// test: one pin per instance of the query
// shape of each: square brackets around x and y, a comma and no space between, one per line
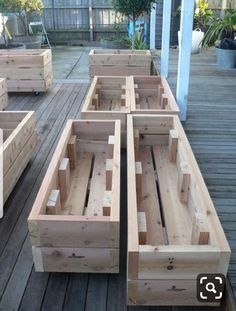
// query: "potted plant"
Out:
[202,20]
[133,10]
[222,32]
[23,10]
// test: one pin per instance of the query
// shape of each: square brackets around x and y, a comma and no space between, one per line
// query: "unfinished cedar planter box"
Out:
[20,139]
[74,222]
[108,99]
[152,95]
[120,62]
[3,94]
[174,233]
[26,70]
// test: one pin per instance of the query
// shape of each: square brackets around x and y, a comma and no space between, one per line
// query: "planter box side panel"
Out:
[77,260]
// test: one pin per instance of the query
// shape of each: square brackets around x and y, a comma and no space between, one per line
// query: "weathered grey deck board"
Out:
[211,130]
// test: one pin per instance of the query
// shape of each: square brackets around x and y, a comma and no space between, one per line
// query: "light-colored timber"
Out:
[152,95]
[3,94]
[26,70]
[108,99]
[120,63]
[180,235]
[74,222]
[19,141]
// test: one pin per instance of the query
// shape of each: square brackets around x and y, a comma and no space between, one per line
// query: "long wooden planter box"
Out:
[74,222]
[120,62]
[20,139]
[3,94]
[152,95]
[108,99]
[174,233]
[26,70]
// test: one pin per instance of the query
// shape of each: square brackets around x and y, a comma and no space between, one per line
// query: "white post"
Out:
[186,28]
[165,44]
[153,27]
[91,19]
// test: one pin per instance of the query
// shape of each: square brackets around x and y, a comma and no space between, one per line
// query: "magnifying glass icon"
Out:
[210,287]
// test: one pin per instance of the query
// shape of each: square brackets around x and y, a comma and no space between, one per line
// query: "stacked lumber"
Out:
[74,223]
[26,70]
[3,94]
[19,141]
[108,99]
[120,62]
[174,232]
[152,95]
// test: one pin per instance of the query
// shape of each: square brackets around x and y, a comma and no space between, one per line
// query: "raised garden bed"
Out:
[26,70]
[20,139]
[74,222]
[174,233]
[152,95]
[108,99]
[120,63]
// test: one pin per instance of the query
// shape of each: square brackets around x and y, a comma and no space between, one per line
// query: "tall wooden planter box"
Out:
[108,99]
[20,139]
[120,63]
[26,70]
[152,95]
[3,94]
[174,233]
[74,222]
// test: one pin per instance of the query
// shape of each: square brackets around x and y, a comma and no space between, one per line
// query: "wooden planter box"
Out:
[120,63]
[20,139]
[26,70]
[174,233]
[152,95]
[74,222]
[3,94]
[108,99]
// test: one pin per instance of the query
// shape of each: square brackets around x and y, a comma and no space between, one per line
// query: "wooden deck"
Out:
[211,129]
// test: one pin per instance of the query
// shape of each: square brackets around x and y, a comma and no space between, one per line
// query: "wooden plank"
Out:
[138,172]
[76,200]
[173,145]
[142,228]
[200,233]
[97,187]
[184,182]
[177,217]
[64,178]
[109,173]
[80,260]
[150,201]
[72,153]
[54,203]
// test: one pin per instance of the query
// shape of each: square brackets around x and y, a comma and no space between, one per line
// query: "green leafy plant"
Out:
[133,9]
[203,14]
[139,42]
[23,9]
[221,28]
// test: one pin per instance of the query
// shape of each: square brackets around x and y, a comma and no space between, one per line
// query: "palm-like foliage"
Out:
[220,28]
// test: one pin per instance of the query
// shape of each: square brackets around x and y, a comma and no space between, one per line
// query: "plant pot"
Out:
[226,59]
[197,37]
[30,42]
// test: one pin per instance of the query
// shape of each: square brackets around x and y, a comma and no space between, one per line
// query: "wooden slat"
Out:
[97,187]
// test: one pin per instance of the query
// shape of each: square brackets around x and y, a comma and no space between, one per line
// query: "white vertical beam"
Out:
[165,45]
[186,28]
[91,19]
[153,27]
